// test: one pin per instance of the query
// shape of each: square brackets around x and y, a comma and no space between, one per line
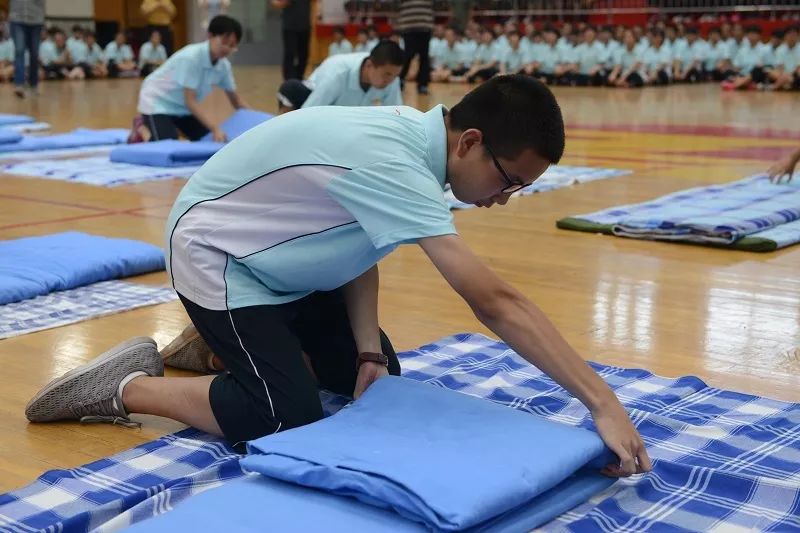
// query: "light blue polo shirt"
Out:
[655,58]
[716,53]
[95,54]
[697,51]
[747,58]
[7,50]
[514,60]
[448,57]
[118,54]
[626,59]
[549,58]
[78,50]
[767,53]
[436,46]
[733,46]
[188,68]
[568,55]
[787,57]
[307,201]
[590,55]
[152,54]
[485,54]
[467,49]
[337,81]
[48,52]
[344,47]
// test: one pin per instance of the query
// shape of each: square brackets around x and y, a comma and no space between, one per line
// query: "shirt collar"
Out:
[433,121]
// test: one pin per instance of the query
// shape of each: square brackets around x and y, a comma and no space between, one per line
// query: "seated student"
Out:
[374,39]
[95,58]
[54,56]
[340,45]
[528,40]
[515,58]
[351,80]
[152,54]
[397,38]
[547,65]
[643,40]
[362,40]
[6,57]
[749,63]
[169,100]
[274,247]
[717,58]
[565,35]
[568,61]
[657,61]
[468,45]
[785,73]
[690,58]
[592,59]
[76,44]
[449,62]
[119,57]
[485,64]
[628,70]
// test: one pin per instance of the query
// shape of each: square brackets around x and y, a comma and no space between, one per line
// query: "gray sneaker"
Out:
[90,393]
[190,352]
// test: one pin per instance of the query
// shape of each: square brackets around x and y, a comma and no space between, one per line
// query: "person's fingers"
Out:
[627,463]
[644,460]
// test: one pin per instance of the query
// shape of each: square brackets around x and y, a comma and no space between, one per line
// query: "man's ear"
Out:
[467,140]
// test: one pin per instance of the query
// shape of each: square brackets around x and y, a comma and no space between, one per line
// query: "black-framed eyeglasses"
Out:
[511,185]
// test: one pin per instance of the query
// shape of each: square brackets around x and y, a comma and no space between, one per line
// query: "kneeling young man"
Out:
[273,247]
[358,79]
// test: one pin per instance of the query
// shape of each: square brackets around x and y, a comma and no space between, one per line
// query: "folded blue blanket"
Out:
[35,266]
[169,153]
[75,139]
[448,460]
[9,120]
[9,136]
[241,121]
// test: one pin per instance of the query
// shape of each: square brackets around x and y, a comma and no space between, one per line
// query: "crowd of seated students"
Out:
[81,57]
[736,56]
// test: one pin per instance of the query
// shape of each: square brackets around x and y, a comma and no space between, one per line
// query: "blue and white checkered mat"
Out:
[723,461]
[76,305]
[555,177]
[97,170]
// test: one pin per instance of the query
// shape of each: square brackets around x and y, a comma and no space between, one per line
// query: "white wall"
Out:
[70,8]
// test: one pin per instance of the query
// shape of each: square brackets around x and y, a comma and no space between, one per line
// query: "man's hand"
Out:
[368,374]
[617,431]
[784,168]
[218,135]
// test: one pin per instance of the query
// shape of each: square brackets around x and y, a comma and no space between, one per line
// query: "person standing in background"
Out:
[159,15]
[296,32]
[27,19]
[415,22]
[212,8]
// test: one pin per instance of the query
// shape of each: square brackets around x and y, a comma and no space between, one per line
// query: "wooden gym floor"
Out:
[732,318]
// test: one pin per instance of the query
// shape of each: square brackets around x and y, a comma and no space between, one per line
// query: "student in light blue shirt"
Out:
[119,57]
[449,62]
[690,58]
[486,61]
[373,37]
[657,60]
[437,42]
[152,54]
[95,59]
[362,41]
[717,63]
[6,58]
[76,45]
[568,61]
[340,45]
[749,63]
[591,58]
[628,70]
[54,56]
[170,96]
[564,40]
[546,66]
[610,44]
[785,74]
[358,79]
[274,247]
[515,57]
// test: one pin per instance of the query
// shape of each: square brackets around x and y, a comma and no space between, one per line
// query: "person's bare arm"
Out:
[236,100]
[190,97]
[528,331]
[361,300]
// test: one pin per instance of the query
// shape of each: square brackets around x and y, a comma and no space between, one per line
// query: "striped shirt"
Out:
[26,11]
[415,15]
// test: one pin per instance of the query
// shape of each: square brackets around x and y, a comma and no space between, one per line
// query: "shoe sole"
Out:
[117,350]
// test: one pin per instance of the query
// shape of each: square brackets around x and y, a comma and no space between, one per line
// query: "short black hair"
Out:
[77,28]
[514,112]
[362,31]
[714,29]
[223,25]
[387,52]
[692,31]
[754,29]
[338,29]
[513,32]
[778,33]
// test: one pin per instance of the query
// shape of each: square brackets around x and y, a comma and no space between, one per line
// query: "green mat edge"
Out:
[747,244]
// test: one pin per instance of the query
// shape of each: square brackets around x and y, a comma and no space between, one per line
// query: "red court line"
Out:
[51,202]
[644,160]
[756,153]
[689,129]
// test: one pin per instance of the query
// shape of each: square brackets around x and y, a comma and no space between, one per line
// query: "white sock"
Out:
[127,379]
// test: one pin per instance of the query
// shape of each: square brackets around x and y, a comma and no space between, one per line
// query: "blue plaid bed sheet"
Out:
[99,171]
[555,177]
[720,214]
[723,461]
[76,305]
